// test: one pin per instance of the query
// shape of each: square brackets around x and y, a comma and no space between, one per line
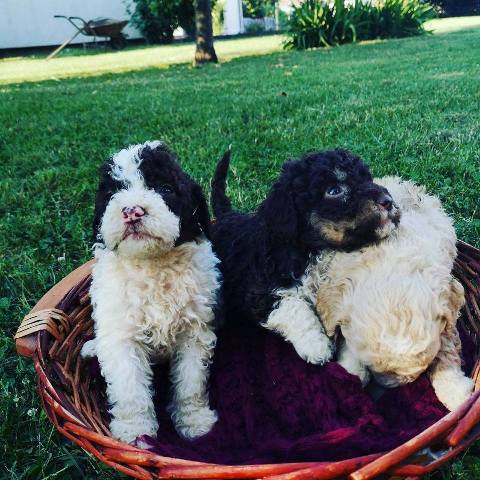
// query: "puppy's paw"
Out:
[195,422]
[89,349]
[128,430]
[452,387]
[354,367]
[314,347]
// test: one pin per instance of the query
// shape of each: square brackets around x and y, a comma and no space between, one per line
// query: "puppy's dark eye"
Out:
[334,191]
[165,188]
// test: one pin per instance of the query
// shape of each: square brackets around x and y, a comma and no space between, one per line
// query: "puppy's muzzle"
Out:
[385,204]
[385,201]
[133,214]
[388,205]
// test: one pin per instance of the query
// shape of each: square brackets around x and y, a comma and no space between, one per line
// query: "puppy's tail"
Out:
[220,202]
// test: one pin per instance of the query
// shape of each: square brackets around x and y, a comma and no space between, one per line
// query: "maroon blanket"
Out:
[274,407]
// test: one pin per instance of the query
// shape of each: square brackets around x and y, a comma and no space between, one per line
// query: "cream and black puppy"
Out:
[397,303]
[154,290]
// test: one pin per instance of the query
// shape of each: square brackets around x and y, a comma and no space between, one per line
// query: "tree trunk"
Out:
[205,51]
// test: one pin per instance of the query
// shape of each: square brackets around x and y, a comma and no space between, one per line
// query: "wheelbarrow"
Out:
[98,27]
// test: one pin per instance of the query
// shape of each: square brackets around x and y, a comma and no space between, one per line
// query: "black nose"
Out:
[386,201]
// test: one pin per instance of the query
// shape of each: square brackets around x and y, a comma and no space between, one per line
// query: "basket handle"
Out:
[39,317]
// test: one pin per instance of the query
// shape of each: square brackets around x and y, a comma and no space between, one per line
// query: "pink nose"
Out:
[131,214]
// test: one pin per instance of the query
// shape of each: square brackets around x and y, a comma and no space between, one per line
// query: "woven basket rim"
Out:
[52,331]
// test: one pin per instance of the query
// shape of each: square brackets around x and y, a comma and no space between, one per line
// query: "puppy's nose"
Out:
[132,213]
[386,201]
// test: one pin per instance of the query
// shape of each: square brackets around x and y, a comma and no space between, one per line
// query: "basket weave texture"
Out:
[54,332]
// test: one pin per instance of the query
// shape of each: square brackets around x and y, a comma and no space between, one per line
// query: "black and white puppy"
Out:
[154,289]
[322,201]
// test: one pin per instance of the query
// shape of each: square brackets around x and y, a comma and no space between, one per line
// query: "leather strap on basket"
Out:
[45,311]
[52,320]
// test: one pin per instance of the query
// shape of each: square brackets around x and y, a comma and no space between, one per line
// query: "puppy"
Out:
[323,200]
[154,288]
[397,303]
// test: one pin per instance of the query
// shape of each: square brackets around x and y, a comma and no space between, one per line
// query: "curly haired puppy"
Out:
[397,303]
[153,291]
[323,200]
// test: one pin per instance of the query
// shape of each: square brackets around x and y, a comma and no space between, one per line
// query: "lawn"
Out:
[409,107]
[74,62]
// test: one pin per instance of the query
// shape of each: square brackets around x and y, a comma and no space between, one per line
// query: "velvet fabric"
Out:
[274,407]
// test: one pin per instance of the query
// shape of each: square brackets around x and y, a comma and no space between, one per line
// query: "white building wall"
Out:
[30,23]
[233,17]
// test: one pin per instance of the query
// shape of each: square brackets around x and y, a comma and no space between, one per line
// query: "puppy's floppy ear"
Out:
[201,214]
[104,193]
[278,210]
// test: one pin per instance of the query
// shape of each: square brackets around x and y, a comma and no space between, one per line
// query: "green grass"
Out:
[74,62]
[409,107]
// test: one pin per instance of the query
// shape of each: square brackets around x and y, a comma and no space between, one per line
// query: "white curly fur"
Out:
[152,301]
[397,303]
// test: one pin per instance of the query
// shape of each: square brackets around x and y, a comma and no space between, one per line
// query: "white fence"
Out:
[30,23]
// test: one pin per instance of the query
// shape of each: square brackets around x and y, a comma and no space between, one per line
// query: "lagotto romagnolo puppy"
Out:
[153,292]
[397,303]
[323,200]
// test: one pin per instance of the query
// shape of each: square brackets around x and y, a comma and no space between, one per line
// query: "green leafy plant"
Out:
[218,17]
[186,16]
[157,19]
[317,23]
[401,18]
[258,8]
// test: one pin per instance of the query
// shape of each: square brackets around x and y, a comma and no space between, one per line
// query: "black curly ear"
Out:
[201,214]
[278,210]
[106,189]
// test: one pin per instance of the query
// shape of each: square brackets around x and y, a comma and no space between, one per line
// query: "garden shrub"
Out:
[186,16]
[157,19]
[453,8]
[218,17]
[258,8]
[317,23]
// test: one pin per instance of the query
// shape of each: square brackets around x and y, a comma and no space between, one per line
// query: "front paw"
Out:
[314,347]
[452,388]
[194,422]
[354,367]
[128,430]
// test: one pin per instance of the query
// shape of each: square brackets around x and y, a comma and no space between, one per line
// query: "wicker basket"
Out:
[53,334]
